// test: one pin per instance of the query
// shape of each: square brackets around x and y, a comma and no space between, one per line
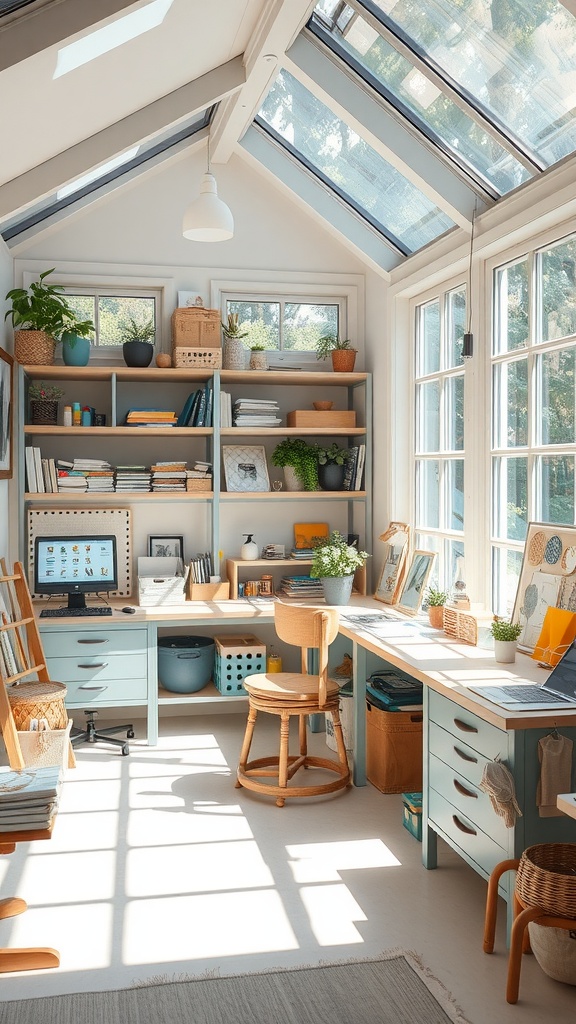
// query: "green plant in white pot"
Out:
[505,635]
[334,564]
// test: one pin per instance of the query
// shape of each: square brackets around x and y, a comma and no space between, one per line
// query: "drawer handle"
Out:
[463,828]
[99,640]
[97,689]
[463,791]
[97,664]
[465,757]
[463,726]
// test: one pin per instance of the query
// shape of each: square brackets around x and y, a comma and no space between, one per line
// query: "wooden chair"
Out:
[289,694]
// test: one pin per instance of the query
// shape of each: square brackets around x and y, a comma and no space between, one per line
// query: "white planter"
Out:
[291,481]
[337,589]
[505,651]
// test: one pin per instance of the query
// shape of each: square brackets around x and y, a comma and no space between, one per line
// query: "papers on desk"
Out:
[381,625]
[28,798]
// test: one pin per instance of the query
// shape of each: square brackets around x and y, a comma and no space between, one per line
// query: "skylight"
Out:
[108,38]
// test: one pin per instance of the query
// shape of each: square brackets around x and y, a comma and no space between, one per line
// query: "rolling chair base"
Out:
[92,735]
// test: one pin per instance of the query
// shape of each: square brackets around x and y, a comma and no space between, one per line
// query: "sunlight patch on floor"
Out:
[332,911]
[323,862]
[210,867]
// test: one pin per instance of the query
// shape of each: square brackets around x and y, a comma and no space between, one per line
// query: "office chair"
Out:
[91,734]
[295,693]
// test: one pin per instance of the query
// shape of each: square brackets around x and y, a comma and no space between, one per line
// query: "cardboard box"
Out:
[320,418]
[394,749]
[208,591]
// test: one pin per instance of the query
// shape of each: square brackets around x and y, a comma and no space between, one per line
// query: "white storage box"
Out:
[160,582]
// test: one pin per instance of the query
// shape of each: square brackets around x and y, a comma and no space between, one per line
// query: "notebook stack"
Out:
[169,476]
[143,417]
[133,478]
[256,412]
[302,588]
[393,691]
[28,798]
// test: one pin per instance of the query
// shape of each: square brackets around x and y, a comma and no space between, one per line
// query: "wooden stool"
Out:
[31,958]
[523,913]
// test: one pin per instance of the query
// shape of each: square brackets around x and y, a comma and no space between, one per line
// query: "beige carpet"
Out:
[393,989]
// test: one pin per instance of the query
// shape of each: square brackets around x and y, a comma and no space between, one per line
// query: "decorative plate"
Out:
[568,562]
[553,550]
[536,549]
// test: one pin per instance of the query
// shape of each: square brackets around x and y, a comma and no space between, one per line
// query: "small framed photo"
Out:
[415,583]
[166,547]
[245,467]
[6,415]
[396,544]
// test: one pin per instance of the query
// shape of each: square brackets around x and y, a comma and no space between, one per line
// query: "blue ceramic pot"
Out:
[337,589]
[75,350]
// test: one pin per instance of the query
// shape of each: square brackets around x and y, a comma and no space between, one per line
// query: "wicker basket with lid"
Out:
[546,878]
[38,700]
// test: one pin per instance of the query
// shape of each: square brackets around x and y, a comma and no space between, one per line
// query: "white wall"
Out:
[6,344]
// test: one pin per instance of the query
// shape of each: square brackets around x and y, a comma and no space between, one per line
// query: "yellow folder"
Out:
[557,633]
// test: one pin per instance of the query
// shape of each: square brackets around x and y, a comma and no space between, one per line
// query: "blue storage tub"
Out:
[185,663]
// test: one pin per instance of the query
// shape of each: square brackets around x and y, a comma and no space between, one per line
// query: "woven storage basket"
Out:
[44,410]
[194,483]
[38,700]
[196,327]
[35,348]
[546,878]
[209,358]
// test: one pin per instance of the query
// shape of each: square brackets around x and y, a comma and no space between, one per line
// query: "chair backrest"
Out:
[309,628]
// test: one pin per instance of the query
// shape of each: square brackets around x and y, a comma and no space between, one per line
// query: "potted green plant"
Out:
[44,402]
[295,454]
[436,599]
[334,564]
[505,635]
[258,360]
[331,466]
[234,355]
[41,315]
[340,350]
[138,341]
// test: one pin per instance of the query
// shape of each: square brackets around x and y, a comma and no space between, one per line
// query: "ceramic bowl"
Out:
[322,406]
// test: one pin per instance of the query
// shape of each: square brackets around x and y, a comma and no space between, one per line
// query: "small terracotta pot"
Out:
[343,359]
[436,615]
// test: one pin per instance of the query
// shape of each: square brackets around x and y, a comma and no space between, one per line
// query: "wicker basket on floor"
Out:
[546,878]
[38,700]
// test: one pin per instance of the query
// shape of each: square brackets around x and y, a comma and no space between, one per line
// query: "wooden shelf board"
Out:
[292,431]
[117,497]
[61,431]
[282,495]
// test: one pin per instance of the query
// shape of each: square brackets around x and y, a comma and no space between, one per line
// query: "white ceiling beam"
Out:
[184,102]
[382,130]
[319,202]
[278,26]
[36,30]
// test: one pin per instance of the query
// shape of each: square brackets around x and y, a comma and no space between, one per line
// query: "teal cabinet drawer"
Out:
[464,835]
[458,754]
[89,667]
[468,727]
[61,643]
[106,692]
[473,802]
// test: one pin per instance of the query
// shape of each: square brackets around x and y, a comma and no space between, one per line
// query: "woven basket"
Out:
[196,327]
[34,348]
[546,878]
[194,483]
[38,700]
[43,410]
[208,358]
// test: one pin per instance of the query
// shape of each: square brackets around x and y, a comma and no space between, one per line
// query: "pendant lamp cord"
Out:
[469,326]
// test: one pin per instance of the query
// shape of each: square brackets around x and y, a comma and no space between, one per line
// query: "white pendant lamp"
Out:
[208,219]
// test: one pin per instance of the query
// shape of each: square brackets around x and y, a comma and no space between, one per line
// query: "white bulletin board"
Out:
[56,522]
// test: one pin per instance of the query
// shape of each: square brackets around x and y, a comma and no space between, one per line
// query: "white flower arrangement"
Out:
[336,558]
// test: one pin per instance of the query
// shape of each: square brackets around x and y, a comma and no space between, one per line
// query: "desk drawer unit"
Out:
[99,667]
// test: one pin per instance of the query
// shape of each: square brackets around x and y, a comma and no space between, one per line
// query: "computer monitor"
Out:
[75,566]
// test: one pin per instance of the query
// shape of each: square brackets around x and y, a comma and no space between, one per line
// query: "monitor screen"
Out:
[75,566]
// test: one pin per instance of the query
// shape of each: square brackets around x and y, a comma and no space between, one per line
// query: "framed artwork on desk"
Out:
[6,415]
[396,544]
[245,467]
[547,579]
[166,547]
[415,583]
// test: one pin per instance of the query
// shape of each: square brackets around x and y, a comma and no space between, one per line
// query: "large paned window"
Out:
[533,404]
[287,324]
[439,433]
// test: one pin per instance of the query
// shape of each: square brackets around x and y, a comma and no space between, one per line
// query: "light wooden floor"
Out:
[159,867]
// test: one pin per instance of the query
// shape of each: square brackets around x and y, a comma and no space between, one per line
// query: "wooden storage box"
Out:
[196,327]
[203,358]
[208,591]
[195,483]
[394,750]
[321,418]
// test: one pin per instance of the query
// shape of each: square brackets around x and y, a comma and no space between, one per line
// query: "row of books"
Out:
[197,409]
[201,568]
[355,468]
[11,661]
[52,476]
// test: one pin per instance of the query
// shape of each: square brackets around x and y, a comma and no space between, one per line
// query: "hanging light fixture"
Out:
[468,339]
[208,219]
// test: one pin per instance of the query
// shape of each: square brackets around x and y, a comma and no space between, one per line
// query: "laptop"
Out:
[559,690]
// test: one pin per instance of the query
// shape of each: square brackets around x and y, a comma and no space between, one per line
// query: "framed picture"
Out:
[245,467]
[6,408]
[396,545]
[166,547]
[415,583]
[547,579]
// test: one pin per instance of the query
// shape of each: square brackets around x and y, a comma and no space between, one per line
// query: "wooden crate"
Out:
[196,327]
[208,591]
[321,418]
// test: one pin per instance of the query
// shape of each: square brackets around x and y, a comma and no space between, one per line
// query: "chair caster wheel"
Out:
[125,750]
[130,734]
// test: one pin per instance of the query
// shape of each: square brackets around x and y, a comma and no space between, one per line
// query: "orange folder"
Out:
[557,633]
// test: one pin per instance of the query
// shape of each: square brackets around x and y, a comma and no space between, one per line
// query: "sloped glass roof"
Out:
[352,168]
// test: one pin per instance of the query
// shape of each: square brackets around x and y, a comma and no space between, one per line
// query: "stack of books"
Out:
[85,475]
[28,799]
[256,412]
[354,468]
[225,409]
[169,476]
[146,417]
[393,691]
[304,554]
[300,588]
[197,410]
[133,478]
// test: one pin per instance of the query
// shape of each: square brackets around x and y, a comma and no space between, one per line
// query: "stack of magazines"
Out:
[394,691]
[302,587]
[28,798]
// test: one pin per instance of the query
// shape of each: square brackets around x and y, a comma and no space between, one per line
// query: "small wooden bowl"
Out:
[322,406]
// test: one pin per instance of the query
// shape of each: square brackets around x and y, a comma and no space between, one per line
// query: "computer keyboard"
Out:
[57,613]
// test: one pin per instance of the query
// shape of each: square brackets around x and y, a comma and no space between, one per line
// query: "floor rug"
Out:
[393,989]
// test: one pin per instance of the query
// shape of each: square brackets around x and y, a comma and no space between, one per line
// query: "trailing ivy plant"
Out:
[296,452]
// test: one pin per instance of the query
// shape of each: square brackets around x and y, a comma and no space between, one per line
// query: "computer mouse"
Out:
[128,610]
